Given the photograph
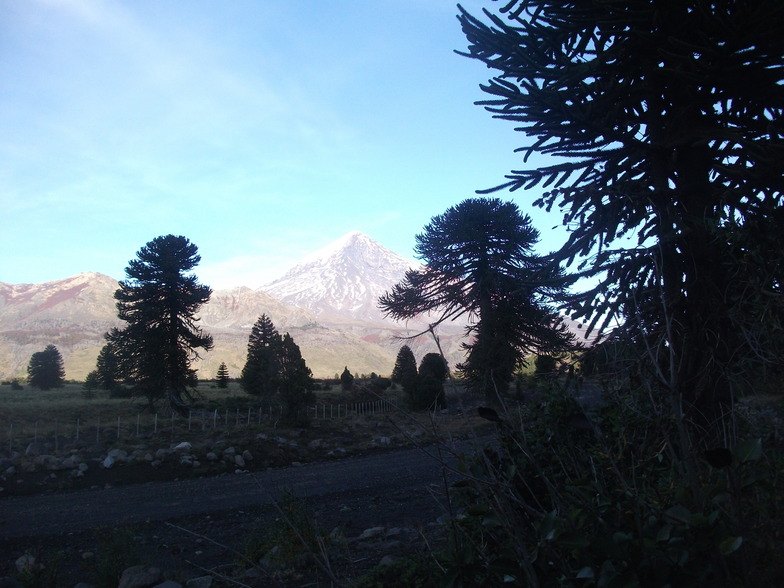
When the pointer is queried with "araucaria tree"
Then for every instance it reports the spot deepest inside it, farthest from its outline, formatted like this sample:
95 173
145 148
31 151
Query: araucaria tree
479 261
45 370
276 371
405 371
259 375
346 380
429 391
669 118
107 367
296 382
222 376
159 301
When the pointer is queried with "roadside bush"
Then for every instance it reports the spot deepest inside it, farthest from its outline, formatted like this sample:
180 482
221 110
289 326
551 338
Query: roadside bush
613 499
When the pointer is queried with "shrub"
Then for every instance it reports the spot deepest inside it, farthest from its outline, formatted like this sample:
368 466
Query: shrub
614 499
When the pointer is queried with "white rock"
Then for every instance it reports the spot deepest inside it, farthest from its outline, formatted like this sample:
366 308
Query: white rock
108 462
372 532
211 456
184 446
238 461
118 454
247 455
25 563
70 463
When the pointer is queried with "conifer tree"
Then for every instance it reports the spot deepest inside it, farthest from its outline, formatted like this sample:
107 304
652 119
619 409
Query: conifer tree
479 261
296 381
346 379
429 392
45 369
665 120
405 371
260 373
159 301
108 367
222 376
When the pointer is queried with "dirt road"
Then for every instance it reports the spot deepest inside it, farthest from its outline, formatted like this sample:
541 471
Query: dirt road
70 512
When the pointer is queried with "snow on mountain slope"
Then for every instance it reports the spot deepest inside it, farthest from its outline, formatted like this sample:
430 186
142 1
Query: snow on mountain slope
343 279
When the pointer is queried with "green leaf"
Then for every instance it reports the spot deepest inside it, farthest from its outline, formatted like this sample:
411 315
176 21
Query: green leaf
749 450
730 544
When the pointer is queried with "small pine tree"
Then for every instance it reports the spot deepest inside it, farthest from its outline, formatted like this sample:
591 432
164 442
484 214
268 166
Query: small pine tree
346 380
45 370
429 390
405 371
223 375
259 376
107 367
296 382
91 383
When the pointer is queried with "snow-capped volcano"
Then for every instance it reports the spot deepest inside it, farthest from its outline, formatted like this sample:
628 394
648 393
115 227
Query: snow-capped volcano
343 279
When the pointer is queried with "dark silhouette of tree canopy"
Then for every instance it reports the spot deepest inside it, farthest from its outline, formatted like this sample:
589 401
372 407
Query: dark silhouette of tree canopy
296 381
479 261
670 115
259 374
276 371
108 367
346 379
223 375
45 369
405 371
159 301
429 392
91 383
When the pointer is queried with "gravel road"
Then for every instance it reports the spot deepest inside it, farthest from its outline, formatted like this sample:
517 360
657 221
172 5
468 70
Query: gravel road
414 469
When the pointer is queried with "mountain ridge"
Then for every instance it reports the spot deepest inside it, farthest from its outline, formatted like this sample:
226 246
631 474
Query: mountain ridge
343 329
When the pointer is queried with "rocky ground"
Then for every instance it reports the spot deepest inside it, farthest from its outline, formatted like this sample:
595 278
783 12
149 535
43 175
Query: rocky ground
353 532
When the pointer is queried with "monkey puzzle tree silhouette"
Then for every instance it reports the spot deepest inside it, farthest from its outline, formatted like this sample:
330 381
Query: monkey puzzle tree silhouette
222 376
346 379
405 371
296 382
45 369
479 261
276 371
259 375
668 120
108 368
159 302
429 391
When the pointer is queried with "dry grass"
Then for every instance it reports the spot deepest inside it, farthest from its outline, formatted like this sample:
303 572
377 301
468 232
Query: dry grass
65 414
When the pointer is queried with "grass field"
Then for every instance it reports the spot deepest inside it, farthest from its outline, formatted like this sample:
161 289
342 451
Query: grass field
62 415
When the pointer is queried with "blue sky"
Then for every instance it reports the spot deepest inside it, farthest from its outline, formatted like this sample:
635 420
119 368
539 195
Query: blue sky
260 130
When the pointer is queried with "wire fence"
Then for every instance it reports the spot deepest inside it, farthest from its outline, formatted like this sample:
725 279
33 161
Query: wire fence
107 429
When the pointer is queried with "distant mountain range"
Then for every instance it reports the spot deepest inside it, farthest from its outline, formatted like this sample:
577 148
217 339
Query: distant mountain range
327 302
